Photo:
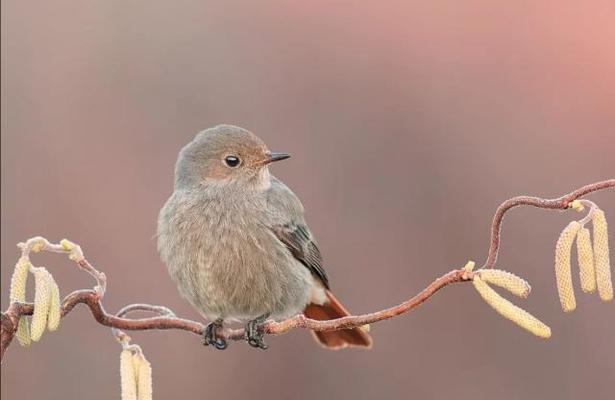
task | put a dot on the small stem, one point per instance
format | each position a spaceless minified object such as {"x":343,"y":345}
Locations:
{"x":158,"y":310}
{"x":592,"y":209}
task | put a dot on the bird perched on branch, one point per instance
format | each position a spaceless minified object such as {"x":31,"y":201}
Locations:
{"x":236,"y":243}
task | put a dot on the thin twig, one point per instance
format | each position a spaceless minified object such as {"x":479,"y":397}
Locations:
{"x":161,"y":311}
{"x":561,"y":203}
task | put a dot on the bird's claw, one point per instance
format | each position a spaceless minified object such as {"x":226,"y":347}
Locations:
{"x":253,"y":336}
{"x":210,"y":336}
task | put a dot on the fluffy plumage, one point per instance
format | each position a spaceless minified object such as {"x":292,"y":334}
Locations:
{"x":235,"y":241}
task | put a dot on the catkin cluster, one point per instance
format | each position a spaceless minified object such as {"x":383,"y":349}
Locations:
{"x":47,"y":312}
{"x":594,"y":263}
{"x":508,"y":310}
{"x":135,"y":374}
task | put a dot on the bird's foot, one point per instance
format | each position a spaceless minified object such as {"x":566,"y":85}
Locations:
{"x":253,"y":336}
{"x":210,"y":336}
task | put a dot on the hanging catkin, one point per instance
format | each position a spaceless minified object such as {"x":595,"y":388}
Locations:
{"x":510,"y":311}
{"x":585,"y":255}
{"x":563,"y":273}
{"x":601,"y":256}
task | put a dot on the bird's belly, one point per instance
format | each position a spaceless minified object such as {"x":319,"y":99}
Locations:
{"x":243,"y":277}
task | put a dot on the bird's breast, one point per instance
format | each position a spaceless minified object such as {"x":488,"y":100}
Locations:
{"x":227,"y":261}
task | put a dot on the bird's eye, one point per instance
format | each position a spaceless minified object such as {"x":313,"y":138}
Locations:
{"x":232,"y":161}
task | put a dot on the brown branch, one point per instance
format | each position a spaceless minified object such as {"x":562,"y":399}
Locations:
{"x":91,"y":299}
{"x":561,"y":203}
{"x":167,"y":320}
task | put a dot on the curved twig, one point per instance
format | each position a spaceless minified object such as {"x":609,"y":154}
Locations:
{"x":561,"y":203}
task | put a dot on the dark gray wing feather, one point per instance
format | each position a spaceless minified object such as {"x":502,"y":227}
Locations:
{"x":290,"y":228}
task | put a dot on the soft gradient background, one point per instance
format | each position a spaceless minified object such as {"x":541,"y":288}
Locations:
{"x":409,"y":122}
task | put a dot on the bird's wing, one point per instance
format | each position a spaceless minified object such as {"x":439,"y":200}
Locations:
{"x":290,"y":228}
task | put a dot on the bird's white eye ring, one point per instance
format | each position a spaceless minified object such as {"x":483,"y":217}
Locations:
{"x":232,"y":161}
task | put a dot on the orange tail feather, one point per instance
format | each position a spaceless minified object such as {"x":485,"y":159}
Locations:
{"x":334,"y":340}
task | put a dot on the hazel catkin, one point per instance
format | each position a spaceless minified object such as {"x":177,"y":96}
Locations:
{"x":53,"y":319}
{"x":510,"y":311}
{"x":143,"y":371}
{"x":42,"y":299}
{"x":128,"y":377}
{"x":18,"y":293}
{"x":506,"y":280}
{"x":563,"y":273}
{"x":585,"y":256}
{"x":601,"y":256}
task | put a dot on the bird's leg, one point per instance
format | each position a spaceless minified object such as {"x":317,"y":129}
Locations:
{"x":210,"y":335}
{"x":253,"y":336}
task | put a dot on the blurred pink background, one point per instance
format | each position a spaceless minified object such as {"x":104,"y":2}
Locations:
{"x":409,"y":122}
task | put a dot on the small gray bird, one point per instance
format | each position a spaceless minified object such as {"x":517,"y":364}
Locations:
{"x":236,"y":243}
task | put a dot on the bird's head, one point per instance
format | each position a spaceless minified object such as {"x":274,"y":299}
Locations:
{"x":225,"y":155}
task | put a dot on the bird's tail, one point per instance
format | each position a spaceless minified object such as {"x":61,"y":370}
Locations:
{"x":334,"y":340}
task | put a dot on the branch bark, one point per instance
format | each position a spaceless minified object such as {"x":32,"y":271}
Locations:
{"x":92,"y":298}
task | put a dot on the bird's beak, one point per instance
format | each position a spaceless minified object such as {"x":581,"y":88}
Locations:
{"x":273,"y":156}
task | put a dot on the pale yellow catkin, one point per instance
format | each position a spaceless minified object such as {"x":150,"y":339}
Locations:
{"x":511,"y":282}
{"x":563,"y":272}
{"x":509,"y":311}
{"x":135,"y":367}
{"x":18,"y":293}
{"x":19,"y":280}
{"x":42,"y":299}
{"x":53,"y":320}
{"x":23,"y":332}
{"x":585,"y":256}
{"x":601,"y":256}
{"x":128,"y":377}
{"x":143,"y":371}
